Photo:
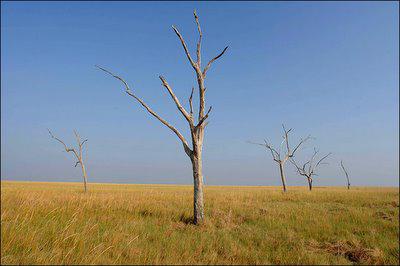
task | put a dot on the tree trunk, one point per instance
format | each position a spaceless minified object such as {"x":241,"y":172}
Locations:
{"x":84,"y":175}
{"x":282,"y":177}
{"x":309,"y":183}
{"x":198,"y":203}
{"x":197,"y":165}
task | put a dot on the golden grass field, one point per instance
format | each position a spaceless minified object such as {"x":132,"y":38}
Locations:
{"x":56,"y":223}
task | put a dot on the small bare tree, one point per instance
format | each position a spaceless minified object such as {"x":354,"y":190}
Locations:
{"x":280,"y":158}
{"x":196,"y":128}
{"x":347,"y":175}
{"x":309,"y":167}
{"x":78,"y":154}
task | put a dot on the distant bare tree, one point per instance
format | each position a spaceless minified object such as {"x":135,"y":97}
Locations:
{"x":196,"y":128}
{"x":78,"y":154}
{"x":280,"y":158}
{"x":309,"y":167}
{"x":347,"y":175}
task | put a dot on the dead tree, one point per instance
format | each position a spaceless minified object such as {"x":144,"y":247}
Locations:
{"x":347,"y":175}
{"x":280,"y":158}
{"x":196,"y":128}
{"x":309,"y":167}
{"x":78,"y":154}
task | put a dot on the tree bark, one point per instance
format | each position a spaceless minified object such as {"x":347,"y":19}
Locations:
{"x":309,"y":183}
{"x":198,"y":203}
{"x":197,"y":165}
{"x":282,"y":177}
{"x":84,"y":175}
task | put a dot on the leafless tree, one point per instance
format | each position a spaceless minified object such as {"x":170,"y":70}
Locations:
{"x":347,"y":175}
{"x":78,"y":154}
{"x":196,"y":128}
{"x":281,"y":158}
{"x":309,"y":167}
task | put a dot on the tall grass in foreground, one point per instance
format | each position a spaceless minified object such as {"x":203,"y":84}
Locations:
{"x":56,"y":223}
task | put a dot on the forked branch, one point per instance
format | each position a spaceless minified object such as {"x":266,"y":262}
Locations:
{"x":194,"y":65}
{"x":212,"y":60}
{"x":274,"y":153}
{"x":281,"y":158}
{"x":204,"y":117}
{"x":78,"y":140}
{"x":62,"y":142}
{"x":176,"y":100}
{"x":78,"y":156}
{"x":130,"y":93}
{"x":310,"y":170}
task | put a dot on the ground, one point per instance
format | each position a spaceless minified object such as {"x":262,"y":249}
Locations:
{"x":57,"y":223}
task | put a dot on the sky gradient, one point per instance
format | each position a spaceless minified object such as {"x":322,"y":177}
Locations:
{"x":329,"y":69}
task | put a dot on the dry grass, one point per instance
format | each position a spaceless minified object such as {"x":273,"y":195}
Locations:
{"x":56,"y":223}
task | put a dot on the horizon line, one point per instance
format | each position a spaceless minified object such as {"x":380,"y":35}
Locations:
{"x":177,"y":184}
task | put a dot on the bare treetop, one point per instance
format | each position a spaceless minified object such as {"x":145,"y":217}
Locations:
{"x":278,"y":156}
{"x":78,"y":154}
{"x":309,"y":167}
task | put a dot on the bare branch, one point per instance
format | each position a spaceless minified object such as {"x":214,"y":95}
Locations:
{"x":78,"y":139}
{"x":80,"y":145}
{"x":344,"y":169}
{"x":286,"y":138}
{"x":323,"y":158}
{"x":199,"y":42}
{"x":78,"y":162}
{"x":347,"y":175}
{"x":62,"y":142}
{"x":302,"y":170}
{"x":185,"y":47}
{"x":212,"y":60}
{"x":204,"y":117}
{"x":176,"y":100}
{"x":83,"y":142}
{"x":310,"y":167}
{"x":309,"y":173}
{"x":128,"y":91}
{"x":191,"y":103}
{"x":274,"y":153}
{"x":298,"y":145}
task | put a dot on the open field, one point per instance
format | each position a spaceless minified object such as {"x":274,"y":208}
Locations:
{"x":54,"y":223}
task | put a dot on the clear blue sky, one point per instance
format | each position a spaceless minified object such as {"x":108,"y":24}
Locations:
{"x":329,"y":69}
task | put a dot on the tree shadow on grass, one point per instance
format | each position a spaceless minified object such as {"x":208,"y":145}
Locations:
{"x":186,"y":219}
{"x":146,"y":213}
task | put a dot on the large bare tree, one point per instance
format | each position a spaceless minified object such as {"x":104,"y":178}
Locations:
{"x":78,"y":154}
{"x":347,"y":175}
{"x":309,"y":167}
{"x":281,"y":158}
{"x":196,"y":127}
